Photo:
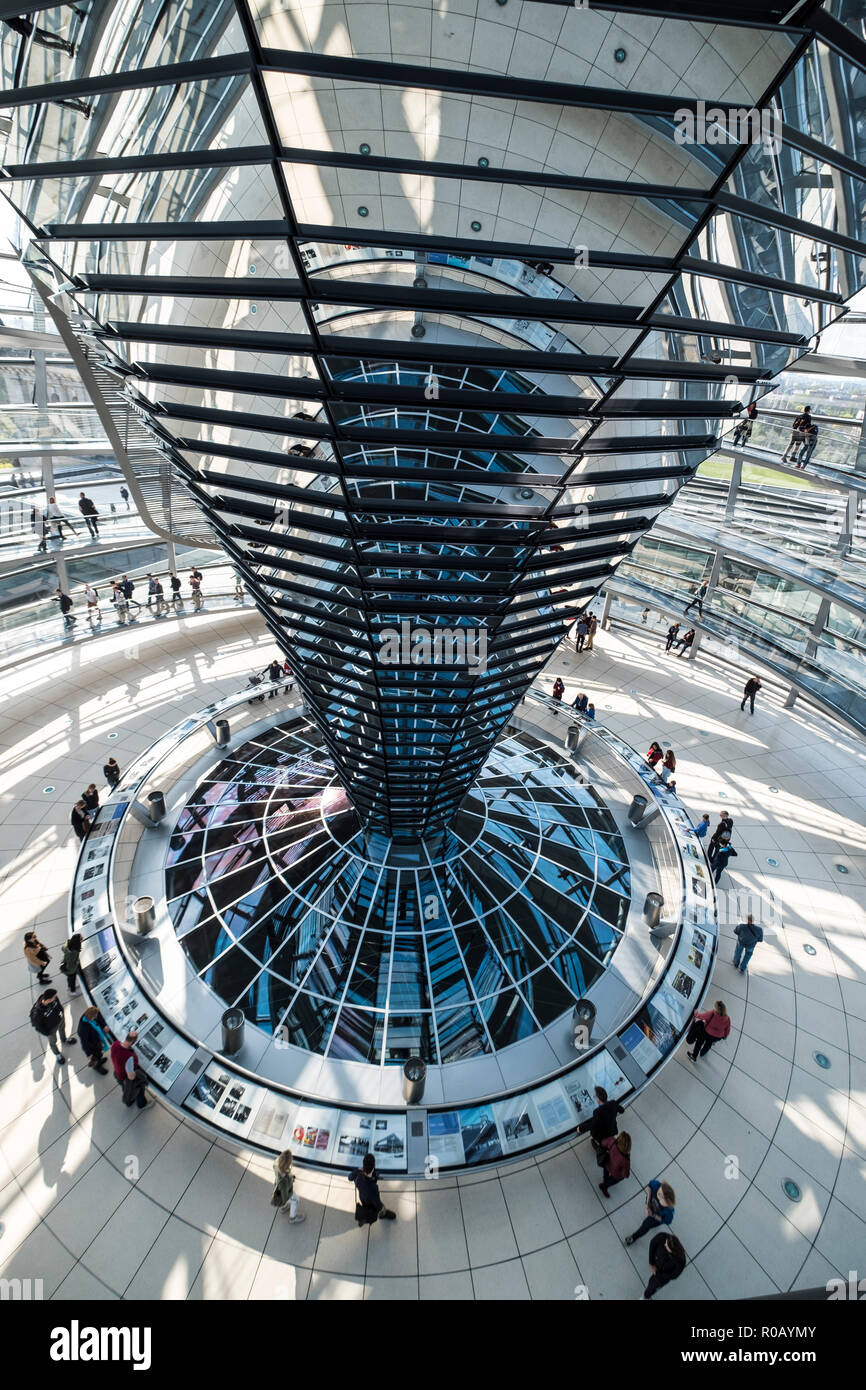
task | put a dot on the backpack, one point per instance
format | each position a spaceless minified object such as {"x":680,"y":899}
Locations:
{"x":39,"y":1021}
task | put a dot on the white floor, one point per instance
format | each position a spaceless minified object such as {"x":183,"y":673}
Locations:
{"x":99,"y":1202}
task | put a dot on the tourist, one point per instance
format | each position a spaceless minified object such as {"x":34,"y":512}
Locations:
{"x":602,"y":1125}
{"x":719,"y":859}
{"x":590,"y":713}
{"x":65,"y":603}
{"x":284,"y":1191}
{"x":558,"y":689}
{"x":92,"y":598}
{"x":57,"y":518}
{"x":655,"y":754}
{"x":274,"y":672}
{"x":685,"y":643}
{"x":580,"y":703}
{"x":581,"y":633}
{"x":593,"y":629}
{"x":698,"y":597}
{"x":750,"y":690}
{"x":667,"y":1260}
{"x":807,"y":448}
{"x":615,"y":1158}
{"x":120,"y":601}
{"x":800,"y":425}
{"x":127,"y":1073}
{"x":125,"y":495}
{"x":37,"y":957}
{"x":724,"y":827}
{"x":90,"y":797}
{"x":111,"y":771}
{"x":71,"y":961}
{"x":88,"y":510}
{"x":707,"y":1029}
{"x":195,"y":586}
{"x":80,"y":820}
{"x":368,"y":1205}
{"x":703,"y":825}
{"x":748,"y":935}
{"x":176,"y":595}
{"x":672,"y":634}
{"x":91,"y":1035}
{"x":660,"y":1206}
{"x":48,"y":1018}
{"x":669,"y":766}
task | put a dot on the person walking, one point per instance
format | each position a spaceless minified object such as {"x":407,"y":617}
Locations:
{"x":750,"y":690}
{"x":57,"y":518}
{"x":685,"y":643}
{"x":87,"y":507}
{"x":655,"y":754}
{"x":558,"y":689}
{"x":284,"y":1190}
{"x":80,"y":820}
{"x":90,"y":797}
{"x":669,"y":766}
{"x":724,"y":827}
{"x":120,"y":601}
{"x":111,"y":772}
{"x":65,"y":603}
{"x":672,"y":634}
{"x":698,"y":597}
{"x":39,"y":523}
{"x":125,"y":495}
{"x":581,"y":633}
{"x":807,"y":448}
{"x":176,"y":595}
{"x":37,"y":957}
{"x":195,"y":586}
{"x":91,"y":596}
{"x":644,"y":615}
{"x":127,"y":585}
{"x":800,"y":425}
{"x":127,"y":1073}
{"x":667,"y":1260}
{"x":70,"y":963}
{"x":660,"y":1207}
{"x":239,"y":588}
{"x":602,"y":1124}
{"x":580,"y":703}
{"x":368,"y":1204}
{"x":592,"y":630}
{"x":743,"y":432}
{"x":287,"y":674}
{"x":91,"y":1035}
{"x":707,"y":1029}
{"x":160,"y":605}
{"x":49,"y":1020}
{"x":723,"y":852}
{"x":615,"y":1159}
{"x":748,"y":935}
{"x":703,"y":825}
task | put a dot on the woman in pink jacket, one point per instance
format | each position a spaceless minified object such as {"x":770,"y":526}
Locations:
{"x":707,"y":1029}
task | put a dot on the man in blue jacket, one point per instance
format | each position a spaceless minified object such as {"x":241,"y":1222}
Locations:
{"x":748,"y":935}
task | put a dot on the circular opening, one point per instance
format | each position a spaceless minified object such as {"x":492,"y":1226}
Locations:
{"x":46,"y":791}
{"x":483,"y":162}
{"x":476,"y":226}
{"x":418,"y":330}
{"x":143,"y":904}
{"x":791,"y":1190}
{"x":415,"y":1069}
{"x":620,"y":55}
{"x":364,"y":148}
{"x":252,"y":270}
{"x":823,"y":1060}
{"x":363,"y":211}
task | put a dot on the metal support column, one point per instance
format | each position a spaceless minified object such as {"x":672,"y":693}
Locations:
{"x":733,"y":489}
{"x":604,"y":621}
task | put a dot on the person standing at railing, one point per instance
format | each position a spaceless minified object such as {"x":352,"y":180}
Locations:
{"x":125,"y":495}
{"x":120,"y":601}
{"x":195,"y":586}
{"x":800,"y":425}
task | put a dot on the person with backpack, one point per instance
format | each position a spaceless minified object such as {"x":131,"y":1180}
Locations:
{"x":667,"y":1260}
{"x":719,"y":859}
{"x":71,"y":962}
{"x":284,"y":1190}
{"x":48,"y":1018}
{"x":369,"y":1205}
{"x":748,"y":935}
{"x":602,"y":1124}
{"x":37,"y":957}
{"x":92,"y":1036}
{"x":615,"y":1158}
{"x":176,"y":595}
{"x":127,"y":1073}
{"x":660,"y":1207}
{"x":707,"y":1029}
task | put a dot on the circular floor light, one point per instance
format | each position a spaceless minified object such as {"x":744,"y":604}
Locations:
{"x":773,"y":863}
{"x":476,"y":226}
{"x":483,"y":162}
{"x":363,"y":211}
{"x":823,"y":1060}
{"x":46,"y":791}
{"x":251,"y":270}
{"x":619,"y":55}
{"x":772,"y":789}
{"x":112,"y":735}
{"x":364,"y":148}
{"x":841,"y":868}
{"x":810,"y":950}
{"x":792,"y":1190}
